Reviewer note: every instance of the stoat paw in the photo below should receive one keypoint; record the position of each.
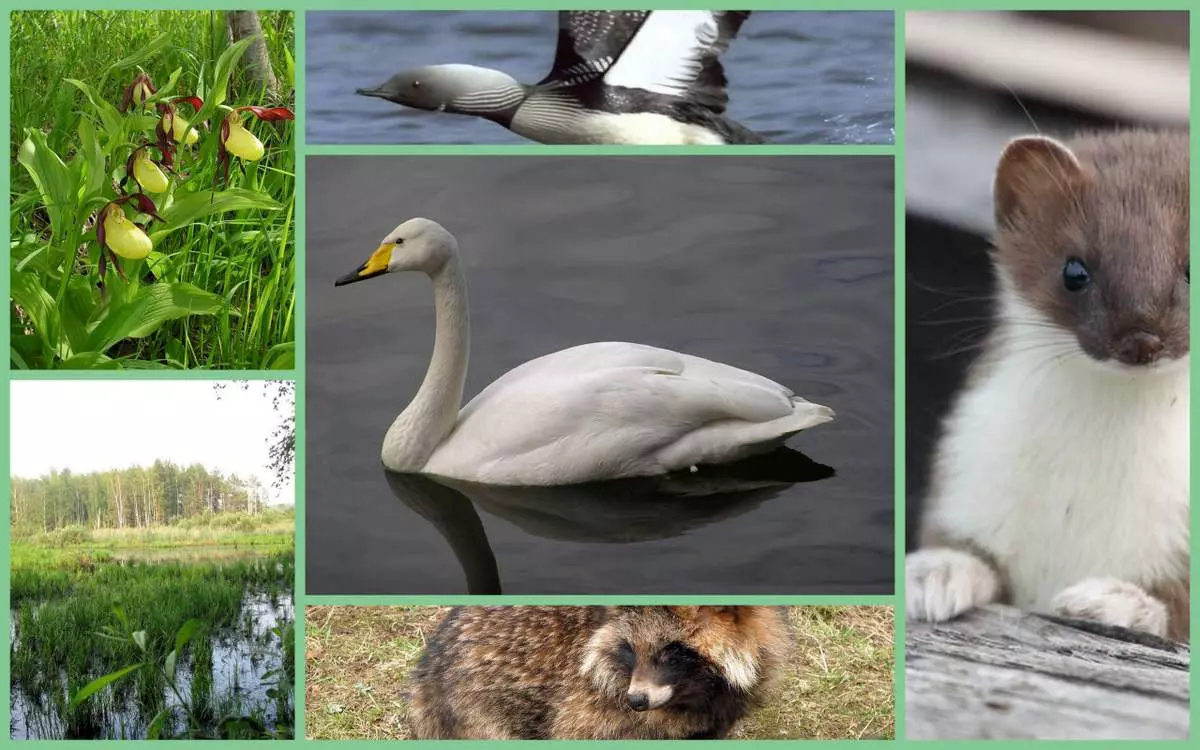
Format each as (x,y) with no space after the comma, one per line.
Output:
(942,583)
(1112,602)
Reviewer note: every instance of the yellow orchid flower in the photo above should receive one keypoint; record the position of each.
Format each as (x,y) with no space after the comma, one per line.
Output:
(148,174)
(241,142)
(122,236)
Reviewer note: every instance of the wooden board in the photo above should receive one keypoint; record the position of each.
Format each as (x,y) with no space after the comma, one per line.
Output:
(1001,673)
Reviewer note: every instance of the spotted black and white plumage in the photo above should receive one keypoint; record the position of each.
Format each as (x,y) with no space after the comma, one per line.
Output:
(626,77)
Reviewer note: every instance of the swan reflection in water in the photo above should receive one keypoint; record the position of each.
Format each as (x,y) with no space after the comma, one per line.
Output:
(620,511)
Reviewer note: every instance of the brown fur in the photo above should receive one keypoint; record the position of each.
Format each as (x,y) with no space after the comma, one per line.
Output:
(555,672)
(1176,595)
(1118,202)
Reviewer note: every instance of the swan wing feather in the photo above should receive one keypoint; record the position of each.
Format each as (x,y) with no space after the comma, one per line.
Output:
(605,408)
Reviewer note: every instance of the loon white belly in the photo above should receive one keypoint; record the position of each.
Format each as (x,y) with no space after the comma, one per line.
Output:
(600,128)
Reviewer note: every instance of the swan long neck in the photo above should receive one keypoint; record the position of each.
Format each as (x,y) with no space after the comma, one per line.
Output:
(433,412)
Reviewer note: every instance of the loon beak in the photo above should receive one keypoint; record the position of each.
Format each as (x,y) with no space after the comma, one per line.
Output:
(378,91)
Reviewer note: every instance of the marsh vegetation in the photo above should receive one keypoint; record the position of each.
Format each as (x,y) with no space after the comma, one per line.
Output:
(180,629)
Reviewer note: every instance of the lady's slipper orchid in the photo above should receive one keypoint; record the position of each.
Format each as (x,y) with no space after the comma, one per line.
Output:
(182,131)
(122,236)
(117,233)
(137,92)
(237,140)
(148,174)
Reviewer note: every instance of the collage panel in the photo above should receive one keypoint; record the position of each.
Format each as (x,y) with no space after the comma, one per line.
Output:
(151,215)
(675,375)
(152,567)
(151,514)
(1048,282)
(659,77)
(604,672)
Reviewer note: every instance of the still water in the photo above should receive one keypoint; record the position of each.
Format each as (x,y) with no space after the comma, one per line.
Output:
(796,77)
(782,266)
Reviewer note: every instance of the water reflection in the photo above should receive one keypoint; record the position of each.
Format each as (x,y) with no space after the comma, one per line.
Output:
(615,512)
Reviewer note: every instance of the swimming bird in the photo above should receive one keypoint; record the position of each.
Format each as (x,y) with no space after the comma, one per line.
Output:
(597,411)
(619,77)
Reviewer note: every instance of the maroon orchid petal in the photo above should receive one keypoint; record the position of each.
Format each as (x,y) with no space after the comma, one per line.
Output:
(223,153)
(126,98)
(195,101)
(270,114)
(100,232)
(163,133)
(141,86)
(145,205)
(116,265)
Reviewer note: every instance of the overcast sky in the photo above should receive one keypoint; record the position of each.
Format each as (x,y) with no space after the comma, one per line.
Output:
(94,425)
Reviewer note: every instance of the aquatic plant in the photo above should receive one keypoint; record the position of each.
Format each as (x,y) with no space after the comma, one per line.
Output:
(72,629)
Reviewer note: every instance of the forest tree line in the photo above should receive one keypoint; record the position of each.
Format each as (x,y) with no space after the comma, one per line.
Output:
(137,497)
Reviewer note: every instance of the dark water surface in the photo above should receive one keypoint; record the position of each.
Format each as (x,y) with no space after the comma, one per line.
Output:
(782,266)
(796,77)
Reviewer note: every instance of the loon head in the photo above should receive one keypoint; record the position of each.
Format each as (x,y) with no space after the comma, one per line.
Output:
(463,89)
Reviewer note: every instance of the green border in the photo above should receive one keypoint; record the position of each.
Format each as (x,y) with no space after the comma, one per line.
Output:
(299,6)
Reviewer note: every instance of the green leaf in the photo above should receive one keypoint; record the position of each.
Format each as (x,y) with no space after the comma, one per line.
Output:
(154,731)
(93,158)
(101,682)
(109,115)
(137,57)
(169,667)
(38,305)
(152,306)
(165,90)
(204,203)
(221,73)
(185,633)
(52,177)
(89,361)
(139,637)
(121,618)
(281,357)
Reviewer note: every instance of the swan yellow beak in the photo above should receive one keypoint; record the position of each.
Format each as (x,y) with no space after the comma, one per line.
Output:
(375,265)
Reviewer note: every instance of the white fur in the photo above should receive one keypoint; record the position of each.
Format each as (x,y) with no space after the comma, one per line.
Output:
(626,129)
(1113,602)
(738,667)
(1064,468)
(941,584)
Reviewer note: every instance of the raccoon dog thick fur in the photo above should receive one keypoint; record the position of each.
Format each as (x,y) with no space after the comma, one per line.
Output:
(596,672)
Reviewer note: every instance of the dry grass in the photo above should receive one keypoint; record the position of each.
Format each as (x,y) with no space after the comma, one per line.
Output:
(838,684)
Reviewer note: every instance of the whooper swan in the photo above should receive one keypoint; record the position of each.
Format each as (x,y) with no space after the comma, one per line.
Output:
(592,412)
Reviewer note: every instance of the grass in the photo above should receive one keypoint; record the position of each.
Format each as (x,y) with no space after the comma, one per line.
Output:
(67,603)
(218,290)
(838,684)
(274,527)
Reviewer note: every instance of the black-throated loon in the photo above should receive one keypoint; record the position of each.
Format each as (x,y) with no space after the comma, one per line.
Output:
(619,77)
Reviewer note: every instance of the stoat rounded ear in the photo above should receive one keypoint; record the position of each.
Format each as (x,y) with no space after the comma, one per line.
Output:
(1032,170)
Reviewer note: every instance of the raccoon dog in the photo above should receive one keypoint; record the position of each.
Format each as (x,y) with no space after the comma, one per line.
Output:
(596,672)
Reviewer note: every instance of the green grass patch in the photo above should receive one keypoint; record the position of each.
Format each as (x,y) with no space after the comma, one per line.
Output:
(837,685)
(80,614)
(218,288)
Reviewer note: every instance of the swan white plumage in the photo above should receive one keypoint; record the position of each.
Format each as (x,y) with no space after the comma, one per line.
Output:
(592,412)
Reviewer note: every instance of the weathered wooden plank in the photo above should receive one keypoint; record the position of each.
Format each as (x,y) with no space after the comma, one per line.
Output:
(1002,673)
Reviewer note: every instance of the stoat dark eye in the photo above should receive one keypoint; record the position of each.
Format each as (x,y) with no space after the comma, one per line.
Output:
(416,84)
(1075,275)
